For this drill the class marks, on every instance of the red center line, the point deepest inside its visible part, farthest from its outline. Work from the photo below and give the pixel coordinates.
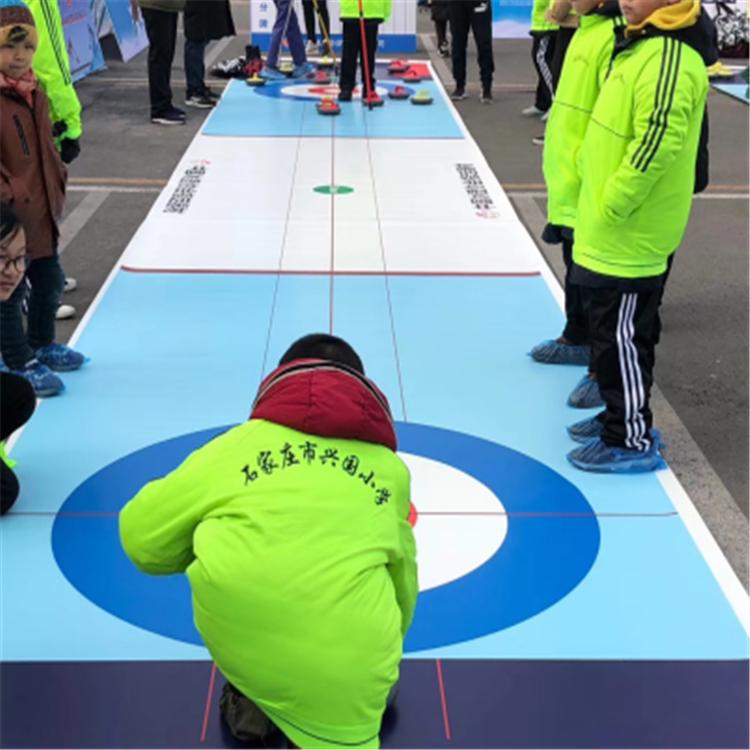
(209, 701)
(443, 701)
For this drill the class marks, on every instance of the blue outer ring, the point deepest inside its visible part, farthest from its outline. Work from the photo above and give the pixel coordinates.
(541, 560)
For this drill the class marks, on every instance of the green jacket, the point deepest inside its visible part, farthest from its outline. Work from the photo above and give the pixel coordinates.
(539, 23)
(380, 9)
(52, 67)
(584, 71)
(303, 583)
(638, 157)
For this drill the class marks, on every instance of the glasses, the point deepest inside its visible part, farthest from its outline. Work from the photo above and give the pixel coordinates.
(16, 265)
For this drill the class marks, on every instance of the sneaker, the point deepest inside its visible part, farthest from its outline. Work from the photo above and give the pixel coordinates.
(70, 284)
(532, 111)
(173, 116)
(555, 352)
(60, 357)
(486, 97)
(345, 95)
(444, 50)
(44, 382)
(311, 49)
(65, 312)
(459, 93)
(271, 74)
(538, 140)
(229, 68)
(595, 455)
(586, 394)
(211, 94)
(545, 116)
(300, 71)
(200, 101)
(586, 429)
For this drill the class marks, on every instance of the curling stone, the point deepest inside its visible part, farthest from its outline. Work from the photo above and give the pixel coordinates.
(422, 97)
(328, 106)
(398, 92)
(411, 76)
(373, 100)
(326, 62)
(286, 68)
(321, 78)
(255, 80)
(398, 67)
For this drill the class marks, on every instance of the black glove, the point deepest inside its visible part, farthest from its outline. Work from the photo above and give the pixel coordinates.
(69, 149)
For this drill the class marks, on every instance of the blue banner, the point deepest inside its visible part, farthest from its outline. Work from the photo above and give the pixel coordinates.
(511, 19)
(128, 25)
(81, 38)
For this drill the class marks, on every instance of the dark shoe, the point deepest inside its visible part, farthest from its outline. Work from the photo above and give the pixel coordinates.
(200, 101)
(458, 94)
(345, 95)
(486, 97)
(245, 720)
(171, 116)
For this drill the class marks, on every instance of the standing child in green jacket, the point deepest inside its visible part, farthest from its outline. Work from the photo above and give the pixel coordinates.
(638, 175)
(543, 34)
(293, 531)
(584, 71)
(375, 13)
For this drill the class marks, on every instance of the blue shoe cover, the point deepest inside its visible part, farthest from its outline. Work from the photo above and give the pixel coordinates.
(271, 74)
(583, 431)
(42, 379)
(596, 456)
(60, 358)
(552, 352)
(300, 71)
(586, 394)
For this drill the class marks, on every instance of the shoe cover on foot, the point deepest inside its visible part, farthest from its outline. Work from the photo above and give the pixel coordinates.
(552, 352)
(60, 357)
(597, 456)
(586, 394)
(583, 431)
(43, 380)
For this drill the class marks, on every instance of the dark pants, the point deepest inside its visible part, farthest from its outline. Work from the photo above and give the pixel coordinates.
(195, 69)
(562, 42)
(441, 31)
(161, 29)
(17, 401)
(542, 51)
(478, 18)
(623, 327)
(286, 27)
(309, 10)
(46, 279)
(352, 51)
(576, 323)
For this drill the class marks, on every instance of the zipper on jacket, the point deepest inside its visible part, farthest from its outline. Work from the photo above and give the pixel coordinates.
(21, 136)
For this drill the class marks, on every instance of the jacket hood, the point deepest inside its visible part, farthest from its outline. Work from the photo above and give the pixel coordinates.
(328, 399)
(685, 21)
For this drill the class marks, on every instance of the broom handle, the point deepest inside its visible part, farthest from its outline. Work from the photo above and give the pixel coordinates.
(366, 62)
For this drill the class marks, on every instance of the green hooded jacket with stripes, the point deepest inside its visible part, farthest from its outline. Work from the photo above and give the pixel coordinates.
(638, 158)
(380, 9)
(52, 67)
(585, 70)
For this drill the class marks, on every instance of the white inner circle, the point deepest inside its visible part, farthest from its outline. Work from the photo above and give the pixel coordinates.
(306, 90)
(461, 523)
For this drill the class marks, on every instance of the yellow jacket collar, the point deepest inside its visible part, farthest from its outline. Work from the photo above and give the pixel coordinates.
(670, 17)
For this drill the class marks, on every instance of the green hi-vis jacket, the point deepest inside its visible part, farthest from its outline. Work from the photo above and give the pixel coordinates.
(302, 566)
(638, 156)
(584, 71)
(538, 22)
(372, 9)
(52, 67)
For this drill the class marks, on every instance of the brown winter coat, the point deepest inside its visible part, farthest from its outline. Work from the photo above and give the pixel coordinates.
(32, 174)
